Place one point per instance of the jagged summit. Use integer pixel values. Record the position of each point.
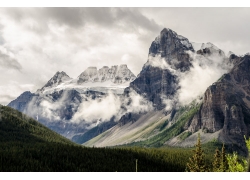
(56, 80)
(116, 74)
(168, 42)
(103, 79)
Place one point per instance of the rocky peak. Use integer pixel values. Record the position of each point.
(90, 74)
(116, 74)
(57, 79)
(172, 48)
(169, 42)
(156, 81)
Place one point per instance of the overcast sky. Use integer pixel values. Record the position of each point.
(35, 43)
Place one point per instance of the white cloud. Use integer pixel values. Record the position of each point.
(93, 110)
(203, 73)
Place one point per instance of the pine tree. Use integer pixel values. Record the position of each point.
(217, 161)
(197, 163)
(224, 163)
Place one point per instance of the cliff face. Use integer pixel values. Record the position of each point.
(155, 82)
(226, 105)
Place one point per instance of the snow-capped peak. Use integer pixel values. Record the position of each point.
(116, 74)
(105, 79)
(58, 78)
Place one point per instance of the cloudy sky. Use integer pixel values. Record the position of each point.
(35, 43)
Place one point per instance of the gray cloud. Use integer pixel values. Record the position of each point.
(124, 18)
(46, 40)
(8, 62)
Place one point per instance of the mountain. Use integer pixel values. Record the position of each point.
(155, 81)
(183, 89)
(106, 79)
(59, 102)
(218, 111)
(116, 74)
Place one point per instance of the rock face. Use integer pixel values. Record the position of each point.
(116, 74)
(171, 46)
(226, 105)
(154, 81)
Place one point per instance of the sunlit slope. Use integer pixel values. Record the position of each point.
(154, 129)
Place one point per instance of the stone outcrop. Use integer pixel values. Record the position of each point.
(226, 106)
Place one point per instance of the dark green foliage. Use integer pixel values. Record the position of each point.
(163, 125)
(17, 127)
(26, 145)
(197, 162)
(60, 157)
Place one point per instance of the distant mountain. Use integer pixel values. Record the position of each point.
(106, 79)
(58, 103)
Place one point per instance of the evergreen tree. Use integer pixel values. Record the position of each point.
(217, 161)
(224, 163)
(197, 163)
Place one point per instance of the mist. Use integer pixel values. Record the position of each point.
(205, 70)
(96, 109)
(203, 73)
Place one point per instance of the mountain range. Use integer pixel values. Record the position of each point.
(183, 89)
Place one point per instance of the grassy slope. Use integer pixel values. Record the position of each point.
(182, 116)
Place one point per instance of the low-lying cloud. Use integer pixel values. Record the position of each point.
(203, 73)
(89, 111)
(96, 109)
